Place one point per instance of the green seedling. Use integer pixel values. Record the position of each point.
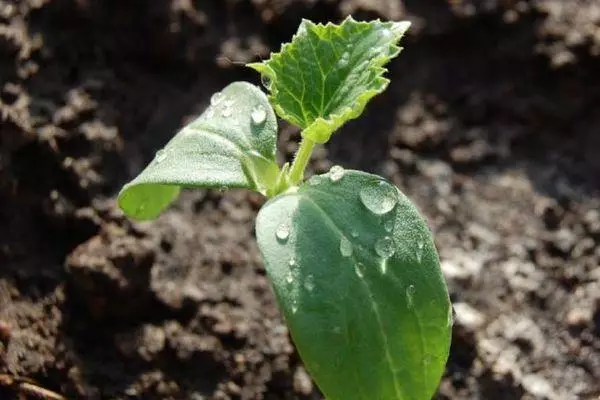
(351, 260)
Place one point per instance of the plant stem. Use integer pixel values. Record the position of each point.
(301, 160)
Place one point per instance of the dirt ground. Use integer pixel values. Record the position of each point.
(491, 125)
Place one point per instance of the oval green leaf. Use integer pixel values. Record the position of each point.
(328, 73)
(356, 273)
(231, 145)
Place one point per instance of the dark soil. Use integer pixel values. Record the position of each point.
(491, 125)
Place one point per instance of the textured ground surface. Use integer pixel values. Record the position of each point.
(490, 125)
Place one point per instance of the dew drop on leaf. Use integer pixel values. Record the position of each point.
(161, 155)
(309, 283)
(289, 277)
(386, 34)
(354, 233)
(283, 232)
(384, 247)
(216, 98)
(336, 173)
(292, 262)
(383, 266)
(410, 292)
(379, 197)
(345, 247)
(358, 269)
(258, 115)
(344, 59)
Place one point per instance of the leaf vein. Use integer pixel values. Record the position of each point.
(374, 305)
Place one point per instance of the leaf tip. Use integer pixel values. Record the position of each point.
(257, 66)
(400, 28)
(145, 201)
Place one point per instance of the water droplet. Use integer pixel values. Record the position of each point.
(266, 81)
(259, 115)
(386, 34)
(379, 197)
(161, 155)
(383, 266)
(294, 306)
(344, 59)
(345, 247)
(292, 262)
(283, 232)
(384, 247)
(358, 268)
(309, 284)
(389, 225)
(410, 292)
(216, 98)
(336, 173)
(289, 277)
(354, 233)
(226, 112)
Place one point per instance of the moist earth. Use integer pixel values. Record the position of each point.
(490, 125)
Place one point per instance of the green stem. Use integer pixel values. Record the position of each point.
(301, 160)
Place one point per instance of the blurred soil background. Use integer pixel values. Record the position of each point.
(491, 125)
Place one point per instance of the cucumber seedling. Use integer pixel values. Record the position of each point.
(351, 260)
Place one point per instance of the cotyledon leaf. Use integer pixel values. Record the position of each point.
(231, 145)
(356, 273)
(328, 73)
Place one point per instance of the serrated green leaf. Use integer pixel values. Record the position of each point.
(356, 273)
(231, 145)
(328, 73)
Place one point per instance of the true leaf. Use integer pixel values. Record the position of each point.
(328, 73)
(356, 273)
(231, 145)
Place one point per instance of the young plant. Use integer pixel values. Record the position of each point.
(351, 260)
